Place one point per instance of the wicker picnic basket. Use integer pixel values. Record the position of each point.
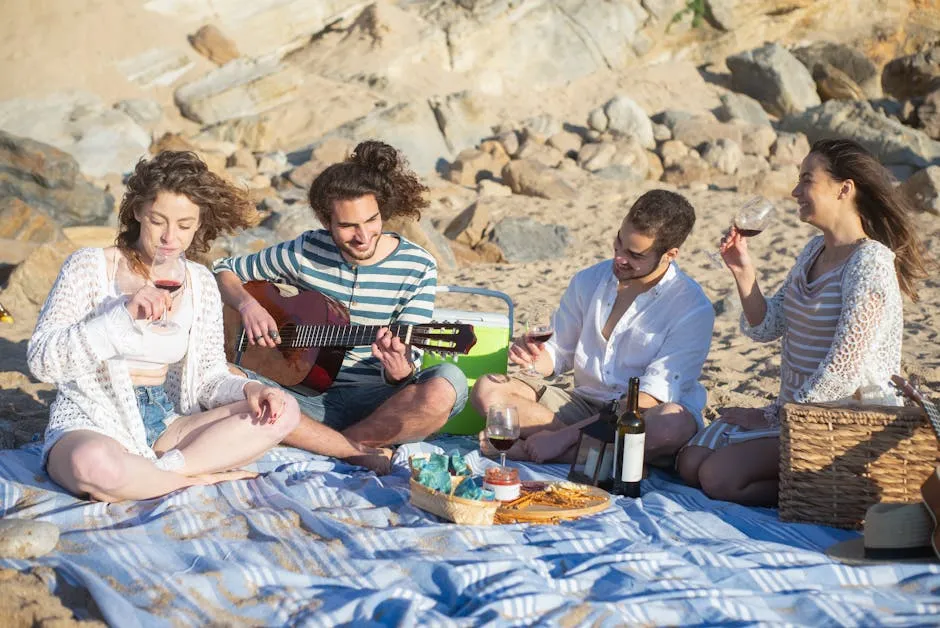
(835, 462)
(456, 509)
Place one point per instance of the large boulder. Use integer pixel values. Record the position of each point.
(928, 114)
(912, 76)
(48, 179)
(889, 141)
(773, 76)
(463, 118)
(521, 239)
(103, 140)
(626, 117)
(859, 68)
(924, 188)
(532, 178)
(19, 221)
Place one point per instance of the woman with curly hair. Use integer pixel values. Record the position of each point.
(379, 396)
(142, 411)
(839, 313)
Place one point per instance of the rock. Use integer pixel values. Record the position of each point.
(724, 155)
(733, 14)
(694, 132)
(741, 107)
(522, 240)
(529, 177)
(510, 142)
(273, 163)
(542, 126)
(789, 150)
(213, 45)
(333, 150)
(654, 166)
(596, 156)
(775, 78)
(303, 175)
(625, 117)
(888, 140)
(544, 154)
(24, 538)
(246, 242)
(410, 127)
(471, 225)
(672, 151)
(662, 133)
(142, 111)
(913, 75)
(924, 188)
(664, 10)
(156, 67)
(671, 117)
(427, 237)
(776, 183)
(750, 165)
(757, 139)
(928, 114)
(243, 158)
(463, 118)
(243, 87)
(103, 140)
(567, 142)
(597, 120)
(834, 84)
(847, 59)
(30, 282)
(488, 187)
(472, 164)
(48, 179)
(688, 170)
(19, 221)
(289, 221)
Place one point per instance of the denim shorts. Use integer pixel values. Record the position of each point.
(343, 406)
(155, 409)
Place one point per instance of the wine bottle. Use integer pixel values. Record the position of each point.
(631, 441)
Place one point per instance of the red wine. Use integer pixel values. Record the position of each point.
(749, 233)
(539, 336)
(501, 443)
(168, 284)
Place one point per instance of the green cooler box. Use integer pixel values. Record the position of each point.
(489, 355)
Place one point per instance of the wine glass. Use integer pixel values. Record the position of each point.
(753, 217)
(168, 272)
(502, 428)
(538, 330)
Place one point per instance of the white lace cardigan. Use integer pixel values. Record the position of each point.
(866, 348)
(83, 327)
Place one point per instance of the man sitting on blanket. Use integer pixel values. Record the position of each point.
(636, 315)
(379, 396)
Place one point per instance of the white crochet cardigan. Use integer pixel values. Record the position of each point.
(83, 327)
(866, 348)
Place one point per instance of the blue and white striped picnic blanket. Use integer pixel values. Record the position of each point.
(315, 542)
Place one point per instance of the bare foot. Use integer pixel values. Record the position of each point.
(376, 459)
(516, 452)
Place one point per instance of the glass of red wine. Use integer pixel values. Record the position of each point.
(502, 428)
(752, 218)
(538, 330)
(168, 272)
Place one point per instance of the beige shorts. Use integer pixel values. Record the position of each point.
(568, 407)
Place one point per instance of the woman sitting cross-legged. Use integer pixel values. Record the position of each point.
(146, 404)
(839, 313)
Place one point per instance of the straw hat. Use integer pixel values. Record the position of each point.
(892, 533)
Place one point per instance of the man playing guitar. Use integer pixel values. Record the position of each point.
(379, 396)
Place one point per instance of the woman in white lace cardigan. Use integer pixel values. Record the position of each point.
(138, 414)
(839, 313)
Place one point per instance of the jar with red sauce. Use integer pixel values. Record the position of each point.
(504, 482)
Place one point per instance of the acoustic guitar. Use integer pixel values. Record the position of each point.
(930, 491)
(315, 334)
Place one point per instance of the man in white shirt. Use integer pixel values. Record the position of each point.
(636, 315)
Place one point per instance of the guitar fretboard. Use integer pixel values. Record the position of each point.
(306, 336)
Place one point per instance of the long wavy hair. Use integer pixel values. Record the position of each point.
(373, 168)
(223, 208)
(884, 210)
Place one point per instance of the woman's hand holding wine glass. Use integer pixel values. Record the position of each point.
(168, 273)
(502, 428)
(751, 219)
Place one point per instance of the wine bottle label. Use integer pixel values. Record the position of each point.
(633, 445)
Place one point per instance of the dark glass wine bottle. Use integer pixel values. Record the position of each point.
(631, 441)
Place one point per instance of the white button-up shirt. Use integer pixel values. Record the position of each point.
(663, 338)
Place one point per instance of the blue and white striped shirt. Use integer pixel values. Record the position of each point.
(398, 289)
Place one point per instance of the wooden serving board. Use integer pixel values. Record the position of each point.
(543, 513)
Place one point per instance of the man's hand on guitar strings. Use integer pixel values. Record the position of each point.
(260, 326)
(393, 354)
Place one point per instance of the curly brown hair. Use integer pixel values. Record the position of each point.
(223, 208)
(373, 168)
(665, 215)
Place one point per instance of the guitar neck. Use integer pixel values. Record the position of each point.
(306, 336)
